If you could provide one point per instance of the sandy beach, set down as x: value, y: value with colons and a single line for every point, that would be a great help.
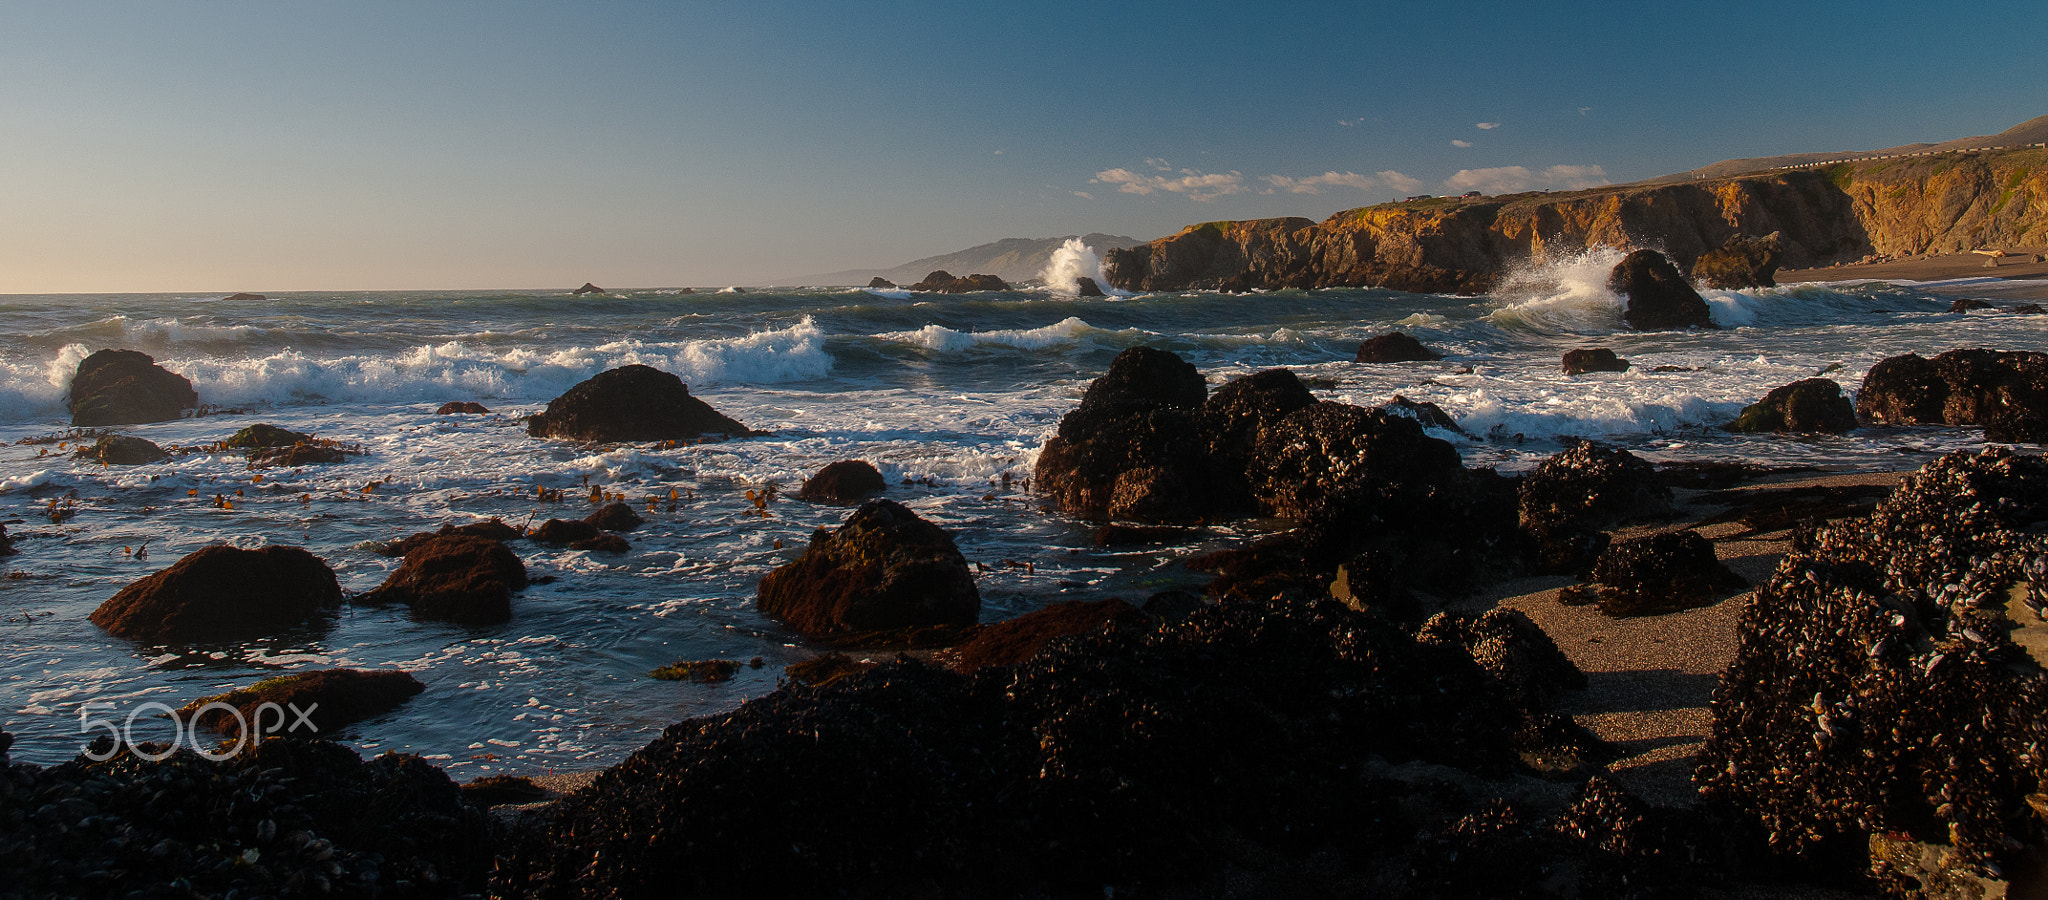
x: 2019, y: 276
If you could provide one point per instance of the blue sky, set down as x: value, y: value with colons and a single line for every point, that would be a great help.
x: 275, y: 146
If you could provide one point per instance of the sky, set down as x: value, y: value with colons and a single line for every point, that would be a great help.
x: 159, y: 145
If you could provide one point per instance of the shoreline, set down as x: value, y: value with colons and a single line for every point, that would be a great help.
x: 2017, y: 277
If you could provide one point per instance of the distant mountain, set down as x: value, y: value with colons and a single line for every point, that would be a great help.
x: 2032, y: 131
x: 1011, y: 259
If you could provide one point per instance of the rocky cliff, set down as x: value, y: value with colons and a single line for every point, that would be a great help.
x: 1942, y: 203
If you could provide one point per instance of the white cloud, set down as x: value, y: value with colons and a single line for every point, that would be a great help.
x: 1456, y: 143
x: 1401, y: 184
x: 1487, y: 126
x: 1513, y: 179
x: 1192, y: 184
x: 1314, y: 184
x: 1157, y: 163
x: 1584, y: 109
x: 999, y: 152
x: 1084, y: 195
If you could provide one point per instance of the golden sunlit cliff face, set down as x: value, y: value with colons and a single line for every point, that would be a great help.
x: 1945, y: 203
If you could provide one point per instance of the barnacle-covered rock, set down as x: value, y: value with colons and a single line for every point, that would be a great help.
x: 1607, y: 843
x: 1569, y: 502
x: 2006, y: 392
x: 1132, y: 450
x: 1657, y: 573
x: 1878, y: 689
x: 885, y: 569
x: 1231, y: 420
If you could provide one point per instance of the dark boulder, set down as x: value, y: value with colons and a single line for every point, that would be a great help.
x: 1310, y: 453
x: 244, y: 298
x: 122, y: 450
x: 1741, y: 262
x: 1230, y: 422
x: 587, y: 288
x: 1658, y: 297
x: 615, y: 517
x: 880, y: 283
x: 1425, y: 413
x: 1394, y: 347
x: 1569, y: 502
x: 631, y: 403
x: 603, y: 543
x: 943, y: 282
x: 1654, y: 574
x: 1968, y: 304
x: 6, y: 543
x: 1013, y: 641
x: 564, y: 531
x: 846, y: 481
x: 456, y: 578
x: 125, y: 387
x: 1888, y: 682
x: 1579, y: 361
x: 1132, y: 448
x: 2004, y: 391
x: 1086, y: 287
x: 885, y: 569
x: 264, y: 437
x: 1815, y: 405
x: 461, y: 407
x: 489, y: 529
x: 2029, y: 309
x: 330, y: 699
x: 222, y: 593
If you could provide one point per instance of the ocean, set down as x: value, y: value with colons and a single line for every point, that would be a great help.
x: 950, y: 396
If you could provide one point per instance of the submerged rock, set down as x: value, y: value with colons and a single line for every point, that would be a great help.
x: 1393, y: 347
x: 304, y: 704
x: 126, y: 387
x: 1812, y: 406
x: 1658, y: 298
x: 846, y: 481
x: 221, y: 593
x: 122, y: 450
x: 1655, y: 574
x: 457, y: 578
x: 631, y: 403
x: 1888, y: 682
x: 1579, y: 361
x: 1742, y: 262
x: 885, y: 569
x: 462, y: 407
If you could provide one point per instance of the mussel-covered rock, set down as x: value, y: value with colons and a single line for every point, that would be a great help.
x: 1230, y: 421
x: 631, y: 403
x: 1580, y: 360
x: 1658, y: 573
x: 127, y: 387
x: 305, y: 704
x: 1888, y: 685
x: 122, y: 450
x: 1573, y: 498
x: 846, y: 481
x: 1108, y: 760
x: 1657, y: 297
x: 885, y: 569
x: 2006, y: 392
x: 284, y: 817
x: 1606, y: 843
x: 1815, y: 405
x: 1012, y: 641
x: 457, y: 578
x: 1392, y: 347
x: 1132, y: 449
x: 222, y: 593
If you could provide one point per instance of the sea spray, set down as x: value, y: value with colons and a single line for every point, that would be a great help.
x: 1566, y: 294
x: 1069, y: 264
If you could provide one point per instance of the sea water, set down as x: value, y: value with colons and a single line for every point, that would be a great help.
x: 950, y: 396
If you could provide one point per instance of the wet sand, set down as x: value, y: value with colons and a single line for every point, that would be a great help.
x: 1651, y: 678
x: 2017, y: 277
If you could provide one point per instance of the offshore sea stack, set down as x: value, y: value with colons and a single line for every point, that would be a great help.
x: 631, y: 403
x: 223, y: 593
x: 1887, y: 709
x: 1094, y: 765
x: 126, y: 387
x: 884, y: 570
x: 1658, y: 297
x: 944, y: 282
x: 2006, y: 392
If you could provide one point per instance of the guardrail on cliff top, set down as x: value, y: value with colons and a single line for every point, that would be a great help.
x: 1850, y: 159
